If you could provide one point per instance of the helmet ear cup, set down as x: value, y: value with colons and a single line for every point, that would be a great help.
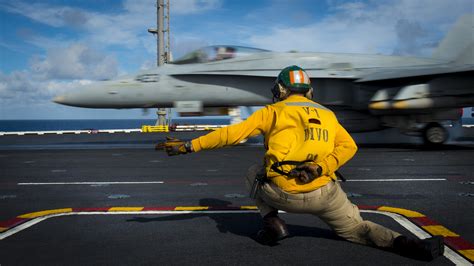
x: 280, y: 92
x: 309, y: 94
x: 276, y: 90
x: 284, y: 92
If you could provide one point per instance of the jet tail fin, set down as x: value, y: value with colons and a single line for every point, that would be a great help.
x: 458, y: 45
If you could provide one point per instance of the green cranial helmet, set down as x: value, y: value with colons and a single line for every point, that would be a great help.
x: 292, y: 79
x: 295, y: 79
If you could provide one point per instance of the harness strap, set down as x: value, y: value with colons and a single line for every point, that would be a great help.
x: 340, y: 176
x: 275, y: 167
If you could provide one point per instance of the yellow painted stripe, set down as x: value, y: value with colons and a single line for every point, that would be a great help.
x: 196, y: 208
x: 404, y: 212
x: 468, y: 253
x: 439, y: 230
x: 248, y: 208
x: 126, y: 209
x: 3, y: 229
x: 44, y: 213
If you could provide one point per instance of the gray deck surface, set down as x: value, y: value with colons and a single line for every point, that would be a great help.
x: 208, y: 178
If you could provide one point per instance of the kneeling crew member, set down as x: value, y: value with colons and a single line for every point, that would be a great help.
x: 305, y: 145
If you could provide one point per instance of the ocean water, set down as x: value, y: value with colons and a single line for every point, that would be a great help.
x: 77, y: 124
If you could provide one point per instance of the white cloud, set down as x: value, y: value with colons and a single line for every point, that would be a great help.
x: 47, y: 43
x: 55, y: 87
x: 121, y: 30
x: 395, y: 26
x: 177, y: 7
x: 184, y: 7
x: 75, y: 62
x: 127, y: 28
x: 100, y: 28
x: 20, y: 89
x: 330, y: 35
x: 358, y: 26
x: 85, y: 51
x: 16, y: 82
x: 53, y: 16
x: 62, y: 70
x: 24, y: 83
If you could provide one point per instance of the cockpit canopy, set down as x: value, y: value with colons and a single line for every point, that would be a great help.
x: 216, y: 53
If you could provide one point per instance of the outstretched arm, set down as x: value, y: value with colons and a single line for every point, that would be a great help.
x: 256, y: 124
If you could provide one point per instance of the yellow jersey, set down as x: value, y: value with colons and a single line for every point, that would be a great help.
x: 296, y: 129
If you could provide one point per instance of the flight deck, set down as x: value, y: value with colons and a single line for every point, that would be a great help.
x: 112, y: 199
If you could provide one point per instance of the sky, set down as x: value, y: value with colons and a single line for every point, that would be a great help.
x: 53, y: 46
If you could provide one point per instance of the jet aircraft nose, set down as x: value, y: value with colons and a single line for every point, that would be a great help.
x: 104, y: 95
x: 88, y: 96
x: 121, y: 93
x: 78, y: 99
x: 59, y: 99
x: 67, y: 99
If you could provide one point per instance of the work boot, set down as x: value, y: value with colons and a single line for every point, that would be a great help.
x: 274, y: 229
x: 425, y: 249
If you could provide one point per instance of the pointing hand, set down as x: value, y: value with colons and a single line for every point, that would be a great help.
x: 174, y: 146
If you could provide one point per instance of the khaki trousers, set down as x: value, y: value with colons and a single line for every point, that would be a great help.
x: 330, y: 204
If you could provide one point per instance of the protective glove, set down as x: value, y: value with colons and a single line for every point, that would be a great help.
x: 174, y: 146
x: 306, y: 173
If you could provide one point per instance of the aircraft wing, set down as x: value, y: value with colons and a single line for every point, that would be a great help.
x: 272, y: 73
x: 249, y: 72
x: 403, y: 73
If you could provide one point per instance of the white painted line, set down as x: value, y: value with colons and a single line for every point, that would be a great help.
x: 22, y: 227
x: 397, y: 180
x: 58, y: 170
x: 161, y: 182
x: 60, y: 132
x: 420, y: 233
x: 89, y: 183
x: 2, y: 197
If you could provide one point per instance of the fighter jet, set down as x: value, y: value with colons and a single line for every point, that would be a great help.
x: 367, y: 92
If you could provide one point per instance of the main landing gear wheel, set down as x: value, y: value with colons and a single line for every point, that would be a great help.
x: 435, y: 134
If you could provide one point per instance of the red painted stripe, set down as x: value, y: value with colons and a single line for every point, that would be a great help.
x: 423, y: 221
x: 367, y: 207
x: 458, y: 243
x: 104, y: 209
x: 158, y: 209
x: 12, y: 222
